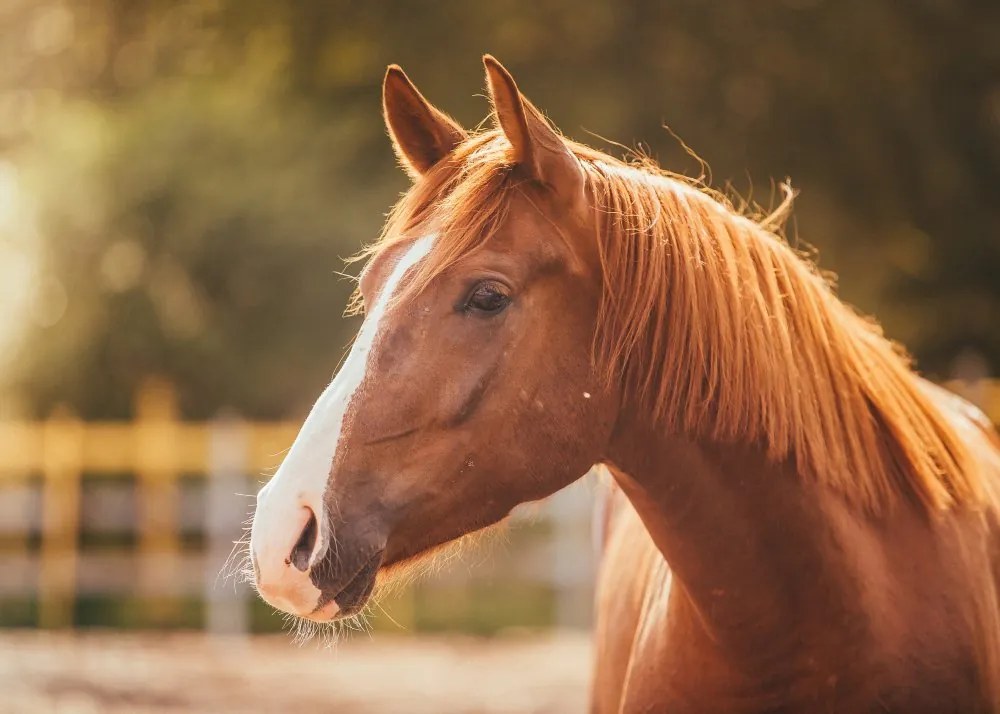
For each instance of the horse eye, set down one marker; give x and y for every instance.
(488, 297)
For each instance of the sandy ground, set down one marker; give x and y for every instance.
(147, 673)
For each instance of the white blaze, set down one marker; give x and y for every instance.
(302, 478)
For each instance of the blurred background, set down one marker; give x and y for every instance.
(179, 185)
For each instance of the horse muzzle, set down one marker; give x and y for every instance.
(300, 568)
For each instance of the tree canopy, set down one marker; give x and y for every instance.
(190, 175)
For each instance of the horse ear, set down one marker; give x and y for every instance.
(537, 146)
(421, 134)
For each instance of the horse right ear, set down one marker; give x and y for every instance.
(535, 145)
(421, 134)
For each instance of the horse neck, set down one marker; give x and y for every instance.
(757, 549)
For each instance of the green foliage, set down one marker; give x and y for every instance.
(486, 609)
(196, 231)
(198, 170)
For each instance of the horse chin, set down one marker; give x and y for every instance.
(352, 598)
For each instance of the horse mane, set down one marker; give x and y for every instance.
(717, 328)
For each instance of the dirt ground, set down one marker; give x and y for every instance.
(161, 673)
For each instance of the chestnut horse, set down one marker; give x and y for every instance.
(800, 523)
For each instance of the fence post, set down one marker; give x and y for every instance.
(157, 498)
(62, 442)
(226, 594)
(16, 442)
(572, 565)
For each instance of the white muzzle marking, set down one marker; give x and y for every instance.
(295, 493)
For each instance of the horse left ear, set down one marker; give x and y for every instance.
(537, 146)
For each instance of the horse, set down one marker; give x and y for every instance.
(798, 521)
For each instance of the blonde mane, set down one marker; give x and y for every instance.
(718, 329)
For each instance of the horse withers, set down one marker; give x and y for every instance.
(800, 522)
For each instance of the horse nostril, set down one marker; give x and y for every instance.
(306, 543)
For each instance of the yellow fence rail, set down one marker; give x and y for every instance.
(157, 449)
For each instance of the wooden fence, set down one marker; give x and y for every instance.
(158, 450)
(42, 476)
